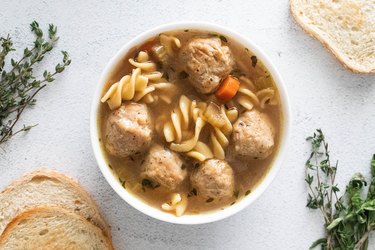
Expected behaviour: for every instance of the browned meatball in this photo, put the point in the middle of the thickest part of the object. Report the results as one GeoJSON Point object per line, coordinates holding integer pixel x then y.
{"type": "Point", "coordinates": [164, 167]}
{"type": "Point", "coordinates": [206, 61]}
{"type": "Point", "coordinates": [253, 135]}
{"type": "Point", "coordinates": [213, 179]}
{"type": "Point", "coordinates": [128, 130]}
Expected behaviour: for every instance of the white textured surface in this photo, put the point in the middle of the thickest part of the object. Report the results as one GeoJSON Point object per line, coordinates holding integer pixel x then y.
{"type": "Point", "coordinates": [322, 93]}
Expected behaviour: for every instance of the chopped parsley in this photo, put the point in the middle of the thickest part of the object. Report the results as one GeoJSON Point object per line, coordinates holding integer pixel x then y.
{"type": "Point", "coordinates": [210, 200]}
{"type": "Point", "coordinates": [183, 75]}
{"type": "Point", "coordinates": [149, 184]}
{"type": "Point", "coordinates": [254, 61]}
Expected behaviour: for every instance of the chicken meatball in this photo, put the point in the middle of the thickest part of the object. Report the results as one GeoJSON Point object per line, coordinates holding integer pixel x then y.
{"type": "Point", "coordinates": [206, 62]}
{"type": "Point", "coordinates": [128, 130]}
{"type": "Point", "coordinates": [253, 135]}
{"type": "Point", "coordinates": [164, 167]}
{"type": "Point", "coordinates": [213, 179]}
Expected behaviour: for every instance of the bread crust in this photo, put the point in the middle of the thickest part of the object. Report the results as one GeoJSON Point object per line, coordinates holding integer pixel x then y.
{"type": "Point", "coordinates": [50, 210]}
{"type": "Point", "coordinates": [327, 43]}
{"type": "Point", "coordinates": [54, 175]}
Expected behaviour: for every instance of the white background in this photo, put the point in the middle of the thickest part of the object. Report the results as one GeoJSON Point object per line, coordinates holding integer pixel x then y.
{"type": "Point", "coordinates": [323, 94]}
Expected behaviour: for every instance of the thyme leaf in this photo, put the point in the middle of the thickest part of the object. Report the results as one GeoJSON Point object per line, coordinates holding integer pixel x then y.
{"type": "Point", "coordinates": [146, 183]}
{"type": "Point", "coordinates": [19, 86]}
{"type": "Point", "coordinates": [254, 61]}
{"type": "Point", "coordinates": [348, 219]}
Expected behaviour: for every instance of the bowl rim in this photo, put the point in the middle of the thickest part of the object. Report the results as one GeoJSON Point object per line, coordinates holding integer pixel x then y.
{"type": "Point", "coordinates": [215, 215]}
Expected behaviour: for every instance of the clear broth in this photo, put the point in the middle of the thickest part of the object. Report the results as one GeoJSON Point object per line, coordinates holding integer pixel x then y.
{"type": "Point", "coordinates": [248, 174]}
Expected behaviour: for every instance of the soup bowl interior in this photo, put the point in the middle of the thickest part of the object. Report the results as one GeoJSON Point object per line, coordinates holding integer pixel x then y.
{"type": "Point", "coordinates": [216, 215]}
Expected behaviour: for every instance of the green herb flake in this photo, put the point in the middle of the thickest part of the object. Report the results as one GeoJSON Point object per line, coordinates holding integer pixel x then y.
{"type": "Point", "coordinates": [192, 192]}
{"type": "Point", "coordinates": [209, 200]}
{"type": "Point", "coordinates": [183, 75]}
{"type": "Point", "coordinates": [166, 76]}
{"type": "Point", "coordinates": [254, 61]}
{"type": "Point", "coordinates": [159, 66]}
{"type": "Point", "coordinates": [149, 184]}
{"type": "Point", "coordinates": [247, 192]}
{"type": "Point", "coordinates": [223, 39]}
{"type": "Point", "coordinates": [122, 182]}
{"type": "Point", "coordinates": [237, 73]}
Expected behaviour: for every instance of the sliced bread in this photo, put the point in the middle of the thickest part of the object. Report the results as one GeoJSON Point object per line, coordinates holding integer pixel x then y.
{"type": "Point", "coordinates": [346, 28]}
{"type": "Point", "coordinates": [52, 228]}
{"type": "Point", "coordinates": [48, 188]}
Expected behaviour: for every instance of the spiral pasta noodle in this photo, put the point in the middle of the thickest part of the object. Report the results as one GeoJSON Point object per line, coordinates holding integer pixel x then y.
{"type": "Point", "coordinates": [191, 116]}
{"type": "Point", "coordinates": [266, 96]}
{"type": "Point", "coordinates": [170, 43]}
{"type": "Point", "coordinates": [178, 203]}
{"type": "Point", "coordinates": [167, 47]}
{"type": "Point", "coordinates": [227, 128]}
{"type": "Point", "coordinates": [182, 117]}
{"type": "Point", "coordinates": [247, 82]}
{"type": "Point", "coordinates": [201, 152]}
{"type": "Point", "coordinates": [165, 90]}
{"type": "Point", "coordinates": [248, 99]}
{"type": "Point", "coordinates": [218, 149]}
{"type": "Point", "coordinates": [219, 143]}
{"type": "Point", "coordinates": [232, 114]}
{"type": "Point", "coordinates": [189, 144]}
{"type": "Point", "coordinates": [139, 85]}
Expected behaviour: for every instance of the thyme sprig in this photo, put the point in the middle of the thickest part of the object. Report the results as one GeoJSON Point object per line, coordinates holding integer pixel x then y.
{"type": "Point", "coordinates": [348, 219]}
{"type": "Point", "coordinates": [19, 85]}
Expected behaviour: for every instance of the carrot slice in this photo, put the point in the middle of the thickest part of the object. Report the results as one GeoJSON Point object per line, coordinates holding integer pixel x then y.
{"type": "Point", "coordinates": [228, 89]}
{"type": "Point", "coordinates": [147, 46]}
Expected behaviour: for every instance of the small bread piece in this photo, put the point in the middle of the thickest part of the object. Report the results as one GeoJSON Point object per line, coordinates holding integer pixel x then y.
{"type": "Point", "coordinates": [45, 187]}
{"type": "Point", "coordinates": [346, 28]}
{"type": "Point", "coordinates": [52, 228]}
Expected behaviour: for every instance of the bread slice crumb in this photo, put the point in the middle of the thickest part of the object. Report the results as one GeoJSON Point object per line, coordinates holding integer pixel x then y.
{"type": "Point", "coordinates": [45, 187]}
{"type": "Point", "coordinates": [345, 28]}
{"type": "Point", "coordinates": [52, 228]}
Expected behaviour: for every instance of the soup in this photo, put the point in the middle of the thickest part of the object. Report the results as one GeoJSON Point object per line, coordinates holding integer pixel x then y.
{"type": "Point", "coordinates": [190, 121]}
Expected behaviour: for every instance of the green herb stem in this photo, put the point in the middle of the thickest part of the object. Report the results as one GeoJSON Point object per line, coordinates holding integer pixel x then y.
{"type": "Point", "coordinates": [19, 86]}
{"type": "Point", "coordinates": [348, 219]}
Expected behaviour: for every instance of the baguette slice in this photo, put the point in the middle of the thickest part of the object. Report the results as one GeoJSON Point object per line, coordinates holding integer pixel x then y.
{"type": "Point", "coordinates": [48, 188]}
{"type": "Point", "coordinates": [346, 28]}
{"type": "Point", "coordinates": [52, 228]}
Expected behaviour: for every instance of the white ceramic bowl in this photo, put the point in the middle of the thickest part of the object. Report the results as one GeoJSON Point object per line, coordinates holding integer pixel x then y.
{"type": "Point", "coordinates": [205, 217]}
